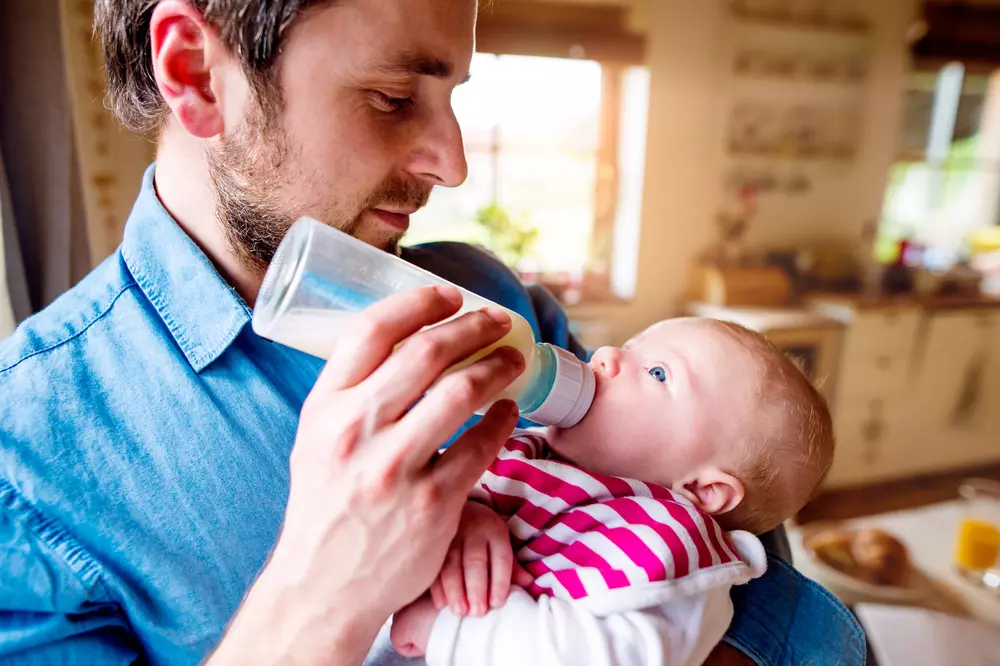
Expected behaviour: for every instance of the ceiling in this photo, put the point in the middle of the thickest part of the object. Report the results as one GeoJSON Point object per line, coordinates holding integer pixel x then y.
{"type": "Point", "coordinates": [983, 3]}
{"type": "Point", "coordinates": [638, 16]}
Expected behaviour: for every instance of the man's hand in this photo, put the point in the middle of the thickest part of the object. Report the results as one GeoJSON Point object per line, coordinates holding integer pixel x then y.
{"type": "Point", "coordinates": [372, 507]}
{"type": "Point", "coordinates": [480, 563]}
{"type": "Point", "coordinates": [411, 628]}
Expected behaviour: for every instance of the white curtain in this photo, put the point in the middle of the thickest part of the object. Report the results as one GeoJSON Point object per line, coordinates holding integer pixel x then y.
{"type": "Point", "coordinates": [45, 231]}
{"type": "Point", "coordinates": [7, 321]}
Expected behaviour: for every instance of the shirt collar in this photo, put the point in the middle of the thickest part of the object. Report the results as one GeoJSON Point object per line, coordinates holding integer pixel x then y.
{"type": "Point", "coordinates": [199, 308]}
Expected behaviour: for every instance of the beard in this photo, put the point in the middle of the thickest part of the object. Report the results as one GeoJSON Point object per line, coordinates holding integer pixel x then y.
{"type": "Point", "coordinates": [254, 176]}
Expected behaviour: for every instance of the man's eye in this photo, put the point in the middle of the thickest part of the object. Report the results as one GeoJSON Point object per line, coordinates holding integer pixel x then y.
{"type": "Point", "coordinates": [659, 373]}
{"type": "Point", "coordinates": [388, 104]}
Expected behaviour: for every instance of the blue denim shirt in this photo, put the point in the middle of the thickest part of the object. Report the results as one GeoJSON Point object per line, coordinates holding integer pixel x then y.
{"type": "Point", "coordinates": [144, 462]}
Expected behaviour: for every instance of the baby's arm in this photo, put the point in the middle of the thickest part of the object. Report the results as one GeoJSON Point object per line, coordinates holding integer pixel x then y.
{"type": "Point", "coordinates": [552, 631]}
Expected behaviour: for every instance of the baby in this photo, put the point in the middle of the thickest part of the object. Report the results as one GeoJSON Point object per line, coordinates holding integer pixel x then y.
{"type": "Point", "coordinates": [729, 439]}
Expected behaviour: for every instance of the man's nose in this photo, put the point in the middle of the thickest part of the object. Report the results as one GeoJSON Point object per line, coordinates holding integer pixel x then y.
{"type": "Point", "coordinates": [606, 361]}
{"type": "Point", "coordinates": [439, 158]}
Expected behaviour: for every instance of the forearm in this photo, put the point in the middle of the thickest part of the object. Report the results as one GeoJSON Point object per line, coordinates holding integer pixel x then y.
{"type": "Point", "coordinates": [278, 623]}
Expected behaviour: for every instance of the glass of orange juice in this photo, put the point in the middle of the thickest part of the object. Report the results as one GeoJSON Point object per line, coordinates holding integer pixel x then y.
{"type": "Point", "coordinates": [977, 547]}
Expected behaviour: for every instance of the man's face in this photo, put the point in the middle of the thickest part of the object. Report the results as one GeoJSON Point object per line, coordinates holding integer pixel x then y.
{"type": "Point", "coordinates": [364, 132]}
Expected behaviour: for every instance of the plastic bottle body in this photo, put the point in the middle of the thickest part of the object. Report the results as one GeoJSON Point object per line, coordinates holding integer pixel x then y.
{"type": "Point", "coordinates": [320, 278]}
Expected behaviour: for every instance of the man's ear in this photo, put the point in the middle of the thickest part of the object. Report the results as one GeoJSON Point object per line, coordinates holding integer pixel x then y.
{"type": "Point", "coordinates": [184, 50]}
{"type": "Point", "coordinates": [713, 490]}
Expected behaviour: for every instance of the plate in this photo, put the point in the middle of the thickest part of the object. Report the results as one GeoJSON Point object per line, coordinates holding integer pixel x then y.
{"type": "Point", "coordinates": [852, 590]}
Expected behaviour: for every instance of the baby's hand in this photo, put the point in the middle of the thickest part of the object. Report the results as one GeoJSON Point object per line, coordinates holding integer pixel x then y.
{"type": "Point", "coordinates": [476, 575]}
{"type": "Point", "coordinates": [411, 628]}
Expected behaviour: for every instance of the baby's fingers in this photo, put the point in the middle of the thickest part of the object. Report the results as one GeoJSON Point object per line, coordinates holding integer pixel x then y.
{"type": "Point", "coordinates": [477, 575]}
{"type": "Point", "coordinates": [521, 577]}
{"type": "Point", "coordinates": [437, 594]}
{"type": "Point", "coordinates": [452, 581]}
{"type": "Point", "coordinates": [501, 563]}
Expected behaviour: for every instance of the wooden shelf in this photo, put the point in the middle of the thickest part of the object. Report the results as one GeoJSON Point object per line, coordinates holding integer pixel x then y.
{"type": "Point", "coordinates": [831, 83]}
{"type": "Point", "coordinates": [769, 21]}
{"type": "Point", "coordinates": [793, 38]}
{"type": "Point", "coordinates": [831, 158]}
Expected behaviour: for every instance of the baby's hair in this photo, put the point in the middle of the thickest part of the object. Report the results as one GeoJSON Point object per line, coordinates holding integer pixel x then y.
{"type": "Point", "coordinates": [788, 448]}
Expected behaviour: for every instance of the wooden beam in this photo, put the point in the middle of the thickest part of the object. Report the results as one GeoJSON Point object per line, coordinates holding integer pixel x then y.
{"type": "Point", "coordinates": [592, 32]}
{"type": "Point", "coordinates": [962, 32]}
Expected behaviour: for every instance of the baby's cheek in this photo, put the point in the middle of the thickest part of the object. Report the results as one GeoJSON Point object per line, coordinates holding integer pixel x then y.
{"type": "Point", "coordinates": [646, 450]}
{"type": "Point", "coordinates": [610, 442]}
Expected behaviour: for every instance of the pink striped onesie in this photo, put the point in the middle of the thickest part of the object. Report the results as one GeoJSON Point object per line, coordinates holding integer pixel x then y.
{"type": "Point", "coordinates": [586, 536]}
{"type": "Point", "coordinates": [627, 573]}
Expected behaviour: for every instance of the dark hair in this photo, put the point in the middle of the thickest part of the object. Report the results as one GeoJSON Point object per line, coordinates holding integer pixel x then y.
{"type": "Point", "coordinates": [253, 30]}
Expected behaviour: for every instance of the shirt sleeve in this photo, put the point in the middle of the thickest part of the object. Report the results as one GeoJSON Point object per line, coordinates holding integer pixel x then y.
{"type": "Point", "coordinates": [53, 607]}
{"type": "Point", "coordinates": [550, 631]}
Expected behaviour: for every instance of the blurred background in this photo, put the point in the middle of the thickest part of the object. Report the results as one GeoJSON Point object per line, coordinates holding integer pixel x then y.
{"type": "Point", "coordinates": [824, 171]}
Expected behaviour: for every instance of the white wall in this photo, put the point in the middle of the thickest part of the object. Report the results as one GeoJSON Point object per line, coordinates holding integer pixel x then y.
{"type": "Point", "coordinates": [691, 88]}
{"type": "Point", "coordinates": [111, 159]}
{"type": "Point", "coordinates": [7, 321]}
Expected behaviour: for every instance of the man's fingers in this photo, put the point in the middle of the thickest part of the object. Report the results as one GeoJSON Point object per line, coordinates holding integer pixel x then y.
{"type": "Point", "coordinates": [376, 331]}
{"type": "Point", "coordinates": [462, 463]}
{"type": "Point", "coordinates": [476, 559]}
{"type": "Point", "coordinates": [501, 562]}
{"type": "Point", "coordinates": [422, 359]}
{"type": "Point", "coordinates": [454, 400]}
{"type": "Point", "coordinates": [452, 581]}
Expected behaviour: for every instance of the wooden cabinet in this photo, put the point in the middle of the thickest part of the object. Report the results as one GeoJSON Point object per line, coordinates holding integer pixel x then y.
{"type": "Point", "coordinates": [867, 441]}
{"type": "Point", "coordinates": [918, 392]}
{"type": "Point", "coordinates": [951, 352]}
{"type": "Point", "coordinates": [878, 350]}
{"type": "Point", "coordinates": [912, 389]}
{"type": "Point", "coordinates": [871, 389]}
{"type": "Point", "coordinates": [987, 419]}
{"type": "Point", "coordinates": [956, 381]}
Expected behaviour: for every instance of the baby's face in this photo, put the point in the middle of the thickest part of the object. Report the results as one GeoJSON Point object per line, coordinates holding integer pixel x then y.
{"type": "Point", "coordinates": [665, 406]}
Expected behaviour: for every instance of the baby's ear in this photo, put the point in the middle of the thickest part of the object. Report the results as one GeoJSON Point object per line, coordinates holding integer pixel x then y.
{"type": "Point", "coordinates": [713, 490]}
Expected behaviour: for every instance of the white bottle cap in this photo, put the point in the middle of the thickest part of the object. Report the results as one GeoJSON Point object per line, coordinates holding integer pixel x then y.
{"type": "Point", "coordinates": [571, 394]}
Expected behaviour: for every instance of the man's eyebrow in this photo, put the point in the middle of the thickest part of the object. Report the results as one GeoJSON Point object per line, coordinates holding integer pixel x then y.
{"type": "Point", "coordinates": [419, 64]}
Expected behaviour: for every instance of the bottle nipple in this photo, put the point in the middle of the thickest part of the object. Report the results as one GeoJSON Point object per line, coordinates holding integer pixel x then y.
{"type": "Point", "coordinates": [571, 394]}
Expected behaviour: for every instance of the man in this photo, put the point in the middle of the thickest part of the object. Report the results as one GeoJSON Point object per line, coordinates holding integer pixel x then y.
{"type": "Point", "coordinates": [147, 467]}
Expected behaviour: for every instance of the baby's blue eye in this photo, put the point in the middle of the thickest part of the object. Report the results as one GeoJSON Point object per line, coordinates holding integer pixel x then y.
{"type": "Point", "coordinates": [658, 373]}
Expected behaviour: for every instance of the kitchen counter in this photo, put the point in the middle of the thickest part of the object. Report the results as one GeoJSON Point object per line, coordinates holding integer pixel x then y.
{"type": "Point", "coordinates": [765, 319]}
{"type": "Point", "coordinates": [865, 302]}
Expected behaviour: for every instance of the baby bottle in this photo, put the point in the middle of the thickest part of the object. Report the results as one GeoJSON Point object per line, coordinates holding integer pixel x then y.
{"type": "Point", "coordinates": [320, 278]}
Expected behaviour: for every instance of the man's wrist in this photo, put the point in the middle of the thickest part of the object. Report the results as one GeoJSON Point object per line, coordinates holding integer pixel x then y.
{"type": "Point", "coordinates": [278, 623]}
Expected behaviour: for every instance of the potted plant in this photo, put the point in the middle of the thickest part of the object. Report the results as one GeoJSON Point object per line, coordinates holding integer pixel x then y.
{"type": "Point", "coordinates": [510, 240]}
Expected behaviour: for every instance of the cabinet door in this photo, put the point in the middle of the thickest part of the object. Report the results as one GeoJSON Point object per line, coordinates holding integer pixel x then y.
{"type": "Point", "coordinates": [948, 358]}
{"type": "Point", "coordinates": [954, 417]}
{"type": "Point", "coordinates": [985, 418]}
{"type": "Point", "coordinates": [878, 354]}
{"type": "Point", "coordinates": [878, 333]}
{"type": "Point", "coordinates": [866, 440]}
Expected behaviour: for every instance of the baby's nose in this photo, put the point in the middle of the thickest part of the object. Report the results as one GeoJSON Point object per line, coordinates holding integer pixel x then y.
{"type": "Point", "coordinates": [606, 361]}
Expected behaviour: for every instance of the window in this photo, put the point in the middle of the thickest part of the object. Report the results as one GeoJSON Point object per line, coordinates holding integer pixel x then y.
{"type": "Point", "coordinates": [947, 182]}
{"type": "Point", "coordinates": [544, 143]}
